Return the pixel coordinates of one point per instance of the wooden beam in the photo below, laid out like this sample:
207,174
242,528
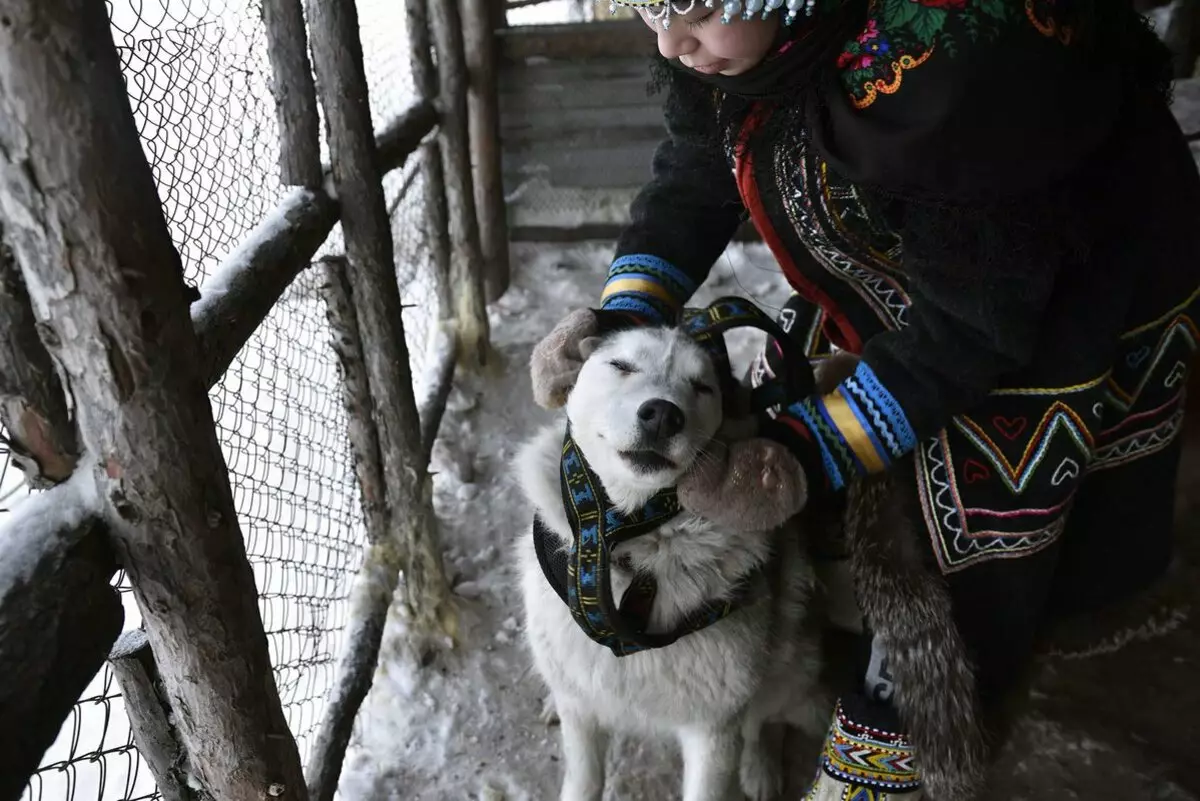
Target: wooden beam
136,672
33,409
437,216
295,95
375,297
242,291
483,115
59,615
466,267
249,282
106,286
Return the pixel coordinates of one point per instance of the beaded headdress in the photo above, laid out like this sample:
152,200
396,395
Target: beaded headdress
662,10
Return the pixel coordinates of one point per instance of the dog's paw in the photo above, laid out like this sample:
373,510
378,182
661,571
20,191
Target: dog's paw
549,714
761,774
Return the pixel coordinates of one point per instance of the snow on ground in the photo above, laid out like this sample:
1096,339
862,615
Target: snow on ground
467,726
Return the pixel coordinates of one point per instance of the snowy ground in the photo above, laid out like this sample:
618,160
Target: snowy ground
468,726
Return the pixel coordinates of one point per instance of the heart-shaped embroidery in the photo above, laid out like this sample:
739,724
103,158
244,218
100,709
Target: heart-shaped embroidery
1010,429
1066,470
1136,358
1177,374
974,471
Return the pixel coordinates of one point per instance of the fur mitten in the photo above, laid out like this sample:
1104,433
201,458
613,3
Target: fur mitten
758,485
557,359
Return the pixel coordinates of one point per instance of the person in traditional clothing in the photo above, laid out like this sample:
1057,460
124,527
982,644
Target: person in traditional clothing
991,204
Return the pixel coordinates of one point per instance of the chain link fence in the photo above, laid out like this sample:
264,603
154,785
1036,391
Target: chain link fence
198,82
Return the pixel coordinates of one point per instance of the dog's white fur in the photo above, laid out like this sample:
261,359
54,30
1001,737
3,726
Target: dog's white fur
725,691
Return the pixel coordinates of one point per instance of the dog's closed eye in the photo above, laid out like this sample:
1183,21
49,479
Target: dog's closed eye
701,388
622,367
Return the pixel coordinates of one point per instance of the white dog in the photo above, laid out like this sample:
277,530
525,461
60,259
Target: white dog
645,407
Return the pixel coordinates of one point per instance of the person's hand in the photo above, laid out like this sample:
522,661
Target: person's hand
557,359
747,485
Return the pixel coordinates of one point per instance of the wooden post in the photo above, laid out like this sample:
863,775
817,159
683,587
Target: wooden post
479,40
32,407
59,616
295,95
136,672
466,268
377,577
106,286
411,525
437,220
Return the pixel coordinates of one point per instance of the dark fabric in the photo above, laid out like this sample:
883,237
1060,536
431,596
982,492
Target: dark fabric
1001,221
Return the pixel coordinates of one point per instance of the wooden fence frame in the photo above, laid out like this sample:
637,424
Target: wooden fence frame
93,310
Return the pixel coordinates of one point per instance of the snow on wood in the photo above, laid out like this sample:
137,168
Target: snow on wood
58,618
105,283
242,291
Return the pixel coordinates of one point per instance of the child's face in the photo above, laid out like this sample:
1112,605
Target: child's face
702,42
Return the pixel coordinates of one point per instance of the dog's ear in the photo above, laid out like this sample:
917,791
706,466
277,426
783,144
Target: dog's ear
588,345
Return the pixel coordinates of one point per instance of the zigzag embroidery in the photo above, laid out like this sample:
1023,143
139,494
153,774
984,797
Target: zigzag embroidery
1059,415
1138,445
1182,325
888,300
955,548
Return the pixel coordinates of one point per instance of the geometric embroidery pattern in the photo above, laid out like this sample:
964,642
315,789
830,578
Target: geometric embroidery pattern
868,758
1130,413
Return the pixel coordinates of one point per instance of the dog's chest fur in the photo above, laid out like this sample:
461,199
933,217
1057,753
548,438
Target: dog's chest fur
711,675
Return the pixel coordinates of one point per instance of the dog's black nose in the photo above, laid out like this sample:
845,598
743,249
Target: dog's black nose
660,418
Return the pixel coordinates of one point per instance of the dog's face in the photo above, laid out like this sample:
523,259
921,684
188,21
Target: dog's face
645,405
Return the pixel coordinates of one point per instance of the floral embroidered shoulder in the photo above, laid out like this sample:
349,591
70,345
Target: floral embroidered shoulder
990,201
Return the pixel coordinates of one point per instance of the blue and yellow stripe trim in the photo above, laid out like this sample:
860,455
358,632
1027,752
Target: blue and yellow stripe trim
859,428
647,286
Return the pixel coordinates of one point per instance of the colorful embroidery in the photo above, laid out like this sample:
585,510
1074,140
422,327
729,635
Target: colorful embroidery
859,427
842,234
901,35
647,286
862,756
1001,487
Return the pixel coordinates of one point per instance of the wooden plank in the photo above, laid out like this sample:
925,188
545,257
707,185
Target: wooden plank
579,40
616,95
554,71
602,122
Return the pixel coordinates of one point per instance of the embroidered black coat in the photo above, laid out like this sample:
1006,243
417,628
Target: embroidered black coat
994,210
